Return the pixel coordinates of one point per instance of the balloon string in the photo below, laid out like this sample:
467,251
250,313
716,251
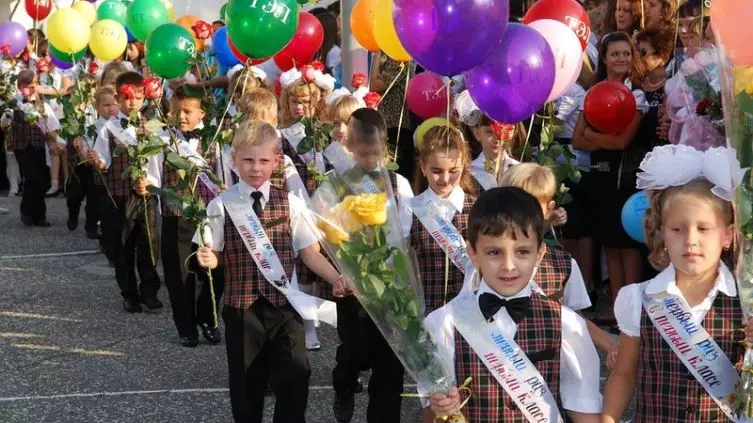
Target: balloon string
392,84
528,136
402,114
643,15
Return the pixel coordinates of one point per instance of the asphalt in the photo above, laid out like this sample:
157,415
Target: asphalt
70,353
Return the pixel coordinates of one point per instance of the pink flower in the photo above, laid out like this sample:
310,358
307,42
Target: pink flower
308,74
93,68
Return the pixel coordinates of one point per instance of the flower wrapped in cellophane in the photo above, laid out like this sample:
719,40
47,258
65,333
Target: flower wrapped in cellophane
357,213
737,96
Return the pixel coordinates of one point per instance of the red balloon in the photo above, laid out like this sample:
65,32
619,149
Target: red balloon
307,40
427,95
242,57
609,107
38,9
569,12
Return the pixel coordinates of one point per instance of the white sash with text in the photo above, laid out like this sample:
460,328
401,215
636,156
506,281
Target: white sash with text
444,233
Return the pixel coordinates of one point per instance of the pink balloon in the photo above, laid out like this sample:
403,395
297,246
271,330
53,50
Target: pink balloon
427,95
568,56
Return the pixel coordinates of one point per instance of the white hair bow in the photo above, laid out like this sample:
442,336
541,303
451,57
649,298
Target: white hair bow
289,77
255,71
340,92
467,109
676,165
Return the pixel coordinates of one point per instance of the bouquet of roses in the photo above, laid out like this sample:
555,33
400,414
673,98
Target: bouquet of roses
356,212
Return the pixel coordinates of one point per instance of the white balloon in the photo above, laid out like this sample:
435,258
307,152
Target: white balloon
567,50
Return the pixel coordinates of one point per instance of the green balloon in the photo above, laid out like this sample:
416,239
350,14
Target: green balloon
67,57
115,10
144,16
261,28
223,11
169,49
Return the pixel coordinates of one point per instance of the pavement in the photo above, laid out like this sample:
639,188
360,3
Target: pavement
70,353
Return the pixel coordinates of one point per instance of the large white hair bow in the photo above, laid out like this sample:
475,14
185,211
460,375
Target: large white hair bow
468,111
676,165
321,79
255,71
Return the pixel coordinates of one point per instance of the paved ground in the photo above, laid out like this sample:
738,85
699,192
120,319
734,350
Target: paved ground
69,353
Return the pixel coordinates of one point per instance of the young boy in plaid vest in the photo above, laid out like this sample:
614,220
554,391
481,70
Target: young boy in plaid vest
264,333
505,237
558,275
29,139
362,346
125,235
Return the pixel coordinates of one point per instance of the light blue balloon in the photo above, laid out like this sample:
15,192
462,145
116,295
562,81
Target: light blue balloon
633,215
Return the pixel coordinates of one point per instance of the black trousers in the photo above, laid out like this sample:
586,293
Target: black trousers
127,244
31,162
188,310
361,347
266,343
81,186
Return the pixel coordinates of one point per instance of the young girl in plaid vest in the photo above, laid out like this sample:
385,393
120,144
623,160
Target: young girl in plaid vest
505,238
444,181
264,333
558,276
690,235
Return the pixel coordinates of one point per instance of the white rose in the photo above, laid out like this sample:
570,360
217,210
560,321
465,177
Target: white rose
690,67
705,58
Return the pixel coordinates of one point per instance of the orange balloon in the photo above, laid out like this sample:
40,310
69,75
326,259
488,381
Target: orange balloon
187,22
731,22
362,24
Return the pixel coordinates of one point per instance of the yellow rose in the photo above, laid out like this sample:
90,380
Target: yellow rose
332,233
371,209
743,76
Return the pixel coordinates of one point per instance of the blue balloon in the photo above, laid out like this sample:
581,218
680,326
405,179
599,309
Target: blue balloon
633,214
131,38
222,50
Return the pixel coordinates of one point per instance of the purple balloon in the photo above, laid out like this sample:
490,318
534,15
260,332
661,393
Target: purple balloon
14,36
449,37
516,79
61,64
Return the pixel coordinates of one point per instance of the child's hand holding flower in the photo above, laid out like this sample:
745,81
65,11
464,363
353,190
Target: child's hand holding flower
445,404
140,187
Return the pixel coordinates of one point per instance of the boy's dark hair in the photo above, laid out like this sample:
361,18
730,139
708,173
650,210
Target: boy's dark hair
368,123
186,92
499,210
25,77
129,78
218,22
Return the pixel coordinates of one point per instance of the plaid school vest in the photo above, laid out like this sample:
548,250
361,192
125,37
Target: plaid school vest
244,283
171,178
117,184
553,273
432,259
667,391
26,134
475,189
539,336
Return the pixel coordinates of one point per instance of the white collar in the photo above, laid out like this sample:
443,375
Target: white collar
665,282
484,288
199,126
505,161
456,198
245,189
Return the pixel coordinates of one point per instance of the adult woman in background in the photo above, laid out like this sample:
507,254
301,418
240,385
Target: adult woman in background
623,15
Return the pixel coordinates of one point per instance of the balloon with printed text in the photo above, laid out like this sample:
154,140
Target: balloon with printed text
427,95
261,28
169,50
307,40
108,40
115,10
38,9
144,16
569,12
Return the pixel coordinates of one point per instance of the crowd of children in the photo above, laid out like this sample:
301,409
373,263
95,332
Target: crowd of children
507,315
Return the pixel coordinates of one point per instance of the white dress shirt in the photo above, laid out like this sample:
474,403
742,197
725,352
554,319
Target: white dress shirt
579,362
629,303
487,179
446,208
128,137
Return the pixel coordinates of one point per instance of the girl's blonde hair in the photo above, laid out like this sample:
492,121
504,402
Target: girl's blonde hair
532,178
654,221
110,74
303,90
242,82
441,139
342,108
259,104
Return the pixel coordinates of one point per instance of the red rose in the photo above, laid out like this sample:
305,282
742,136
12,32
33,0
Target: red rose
372,100
358,80
317,65
5,50
43,64
26,56
702,108
202,30
308,74
128,91
93,68
503,131
152,88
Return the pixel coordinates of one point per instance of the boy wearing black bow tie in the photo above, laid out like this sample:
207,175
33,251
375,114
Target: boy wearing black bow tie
528,357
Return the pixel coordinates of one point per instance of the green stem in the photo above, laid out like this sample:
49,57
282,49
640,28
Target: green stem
148,231
200,229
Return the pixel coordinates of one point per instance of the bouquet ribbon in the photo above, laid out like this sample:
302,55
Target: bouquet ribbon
259,246
485,179
444,233
697,350
506,362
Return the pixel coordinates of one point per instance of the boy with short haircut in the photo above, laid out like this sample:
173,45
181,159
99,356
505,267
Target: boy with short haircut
123,212
253,226
362,346
478,333
29,147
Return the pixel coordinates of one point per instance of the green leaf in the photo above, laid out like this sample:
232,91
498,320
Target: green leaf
377,284
175,161
392,166
150,150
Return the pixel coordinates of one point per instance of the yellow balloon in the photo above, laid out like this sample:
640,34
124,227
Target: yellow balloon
68,30
423,128
87,9
170,9
385,34
109,40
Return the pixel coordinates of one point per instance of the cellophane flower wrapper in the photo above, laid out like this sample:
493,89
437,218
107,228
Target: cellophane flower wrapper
357,215
737,96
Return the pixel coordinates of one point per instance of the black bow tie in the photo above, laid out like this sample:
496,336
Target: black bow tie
124,123
517,308
189,135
